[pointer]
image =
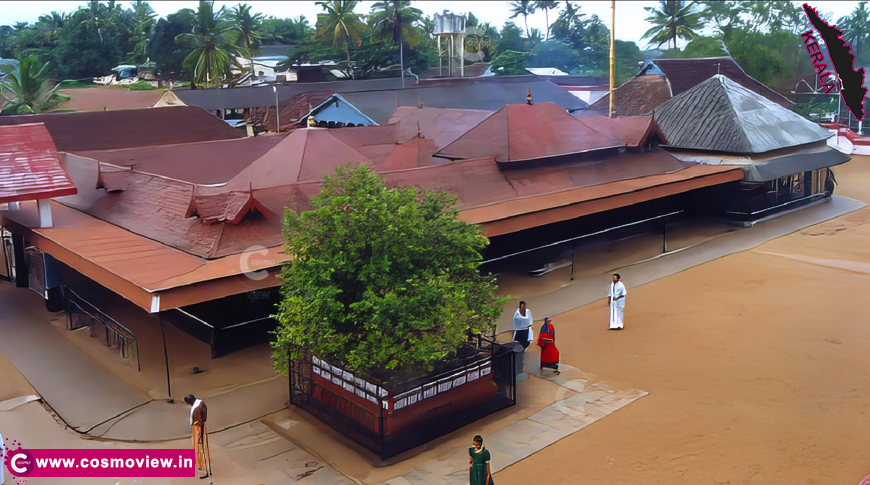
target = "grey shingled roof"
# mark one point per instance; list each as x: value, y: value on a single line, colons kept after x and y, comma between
x: 721, y: 115
x: 259, y: 96
x: 479, y: 93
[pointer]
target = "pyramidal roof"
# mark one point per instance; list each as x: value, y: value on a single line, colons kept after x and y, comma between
x: 303, y: 155
x: 721, y: 115
x: 520, y: 132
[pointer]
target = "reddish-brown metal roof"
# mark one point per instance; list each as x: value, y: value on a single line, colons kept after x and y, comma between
x: 210, y: 162
x: 443, y: 126
x: 109, y: 130
x: 137, y: 267
x: 110, y: 98
x: 229, y: 207
x: 634, y: 130
x: 520, y: 132
x: 29, y: 165
x: 637, y: 97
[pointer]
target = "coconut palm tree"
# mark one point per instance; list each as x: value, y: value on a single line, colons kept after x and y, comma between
x: 524, y: 8
x: 247, y: 27
x: 143, y: 15
x: 397, y: 18
x: 482, y: 38
x: 30, y: 91
x: 340, y: 24
x: 546, y: 7
x: 856, y: 28
x: 673, y: 19
x: 212, y: 54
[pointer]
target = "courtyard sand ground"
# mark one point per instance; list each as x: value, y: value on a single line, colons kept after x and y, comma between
x: 756, y: 367
x: 755, y: 364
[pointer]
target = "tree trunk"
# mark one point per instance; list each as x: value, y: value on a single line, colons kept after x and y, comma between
x: 347, y: 51
x: 526, y: 20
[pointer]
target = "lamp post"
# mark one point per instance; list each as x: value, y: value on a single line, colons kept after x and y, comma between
x: 277, y: 111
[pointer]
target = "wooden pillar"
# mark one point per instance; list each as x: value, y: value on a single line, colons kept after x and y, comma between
x: 21, y: 271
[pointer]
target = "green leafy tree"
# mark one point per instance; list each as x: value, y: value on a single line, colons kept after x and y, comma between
x: 570, y: 26
x: 546, y: 6
x: 91, y: 43
x: 247, y: 27
x: 212, y: 54
x: 144, y: 21
x: 396, y: 20
x: 381, y: 279
x: 629, y: 59
x: 482, y: 39
x: 30, y: 91
x: 555, y: 54
x: 509, y: 63
x: 523, y: 8
x: 511, y: 38
x: 471, y: 20
x: 856, y: 28
x: 162, y: 47
x: 340, y: 25
x: 291, y: 31
x: 702, y: 46
x: 673, y: 19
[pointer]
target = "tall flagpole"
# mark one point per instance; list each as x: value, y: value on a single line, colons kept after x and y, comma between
x: 612, y: 35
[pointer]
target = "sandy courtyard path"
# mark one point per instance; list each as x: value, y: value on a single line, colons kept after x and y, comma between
x: 757, y: 367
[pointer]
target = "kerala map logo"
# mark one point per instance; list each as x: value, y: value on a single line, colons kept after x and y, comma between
x: 850, y: 80
x: 18, y: 461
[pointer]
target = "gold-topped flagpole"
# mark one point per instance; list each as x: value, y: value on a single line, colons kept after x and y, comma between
x: 612, y: 35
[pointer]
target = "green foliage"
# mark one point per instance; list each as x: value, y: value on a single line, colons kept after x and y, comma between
x: 628, y: 60
x: 554, y: 54
x: 381, y: 279
x: 212, y: 55
x: 511, y: 39
x: 292, y: 31
x: 141, y: 86
x: 162, y: 47
x: 856, y: 29
x: 144, y: 20
x: 30, y: 91
x: 673, y: 19
x: 509, y: 63
x: 769, y: 57
x: 702, y: 46
x: 546, y: 6
x: 523, y: 8
x: 340, y: 25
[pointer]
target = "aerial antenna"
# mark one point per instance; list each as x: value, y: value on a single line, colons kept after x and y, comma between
x: 717, y: 69
x: 418, y: 129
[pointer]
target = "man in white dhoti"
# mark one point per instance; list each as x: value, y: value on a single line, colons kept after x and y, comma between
x: 523, y: 332
x: 616, y: 302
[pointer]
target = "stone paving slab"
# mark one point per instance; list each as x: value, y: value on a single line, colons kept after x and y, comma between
x: 586, y: 400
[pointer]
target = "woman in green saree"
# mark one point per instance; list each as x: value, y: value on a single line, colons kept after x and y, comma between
x: 479, y: 462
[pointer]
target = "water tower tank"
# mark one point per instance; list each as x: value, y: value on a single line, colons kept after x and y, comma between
x: 449, y: 23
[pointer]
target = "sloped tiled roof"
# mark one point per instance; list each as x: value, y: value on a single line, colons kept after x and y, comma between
x: 637, y: 97
x: 110, y: 130
x: 684, y: 74
x: 520, y: 132
x: 29, y: 165
x: 721, y: 115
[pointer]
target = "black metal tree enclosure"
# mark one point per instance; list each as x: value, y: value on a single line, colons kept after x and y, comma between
x: 389, y: 419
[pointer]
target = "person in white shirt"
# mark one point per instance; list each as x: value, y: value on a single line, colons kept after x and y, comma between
x: 523, y: 332
x: 616, y: 302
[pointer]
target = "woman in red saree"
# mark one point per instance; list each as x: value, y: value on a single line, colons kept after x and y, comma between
x: 547, y: 343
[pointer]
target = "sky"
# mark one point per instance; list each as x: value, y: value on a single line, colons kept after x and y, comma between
x: 630, y: 15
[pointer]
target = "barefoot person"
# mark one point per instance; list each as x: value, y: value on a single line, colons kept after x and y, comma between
x: 478, y: 461
x: 616, y: 301
x: 523, y: 325
x: 198, y: 417
x: 547, y: 343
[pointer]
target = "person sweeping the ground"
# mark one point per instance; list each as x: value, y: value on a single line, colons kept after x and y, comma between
x: 198, y: 417
x: 616, y: 301
x: 547, y: 343
x: 478, y: 461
